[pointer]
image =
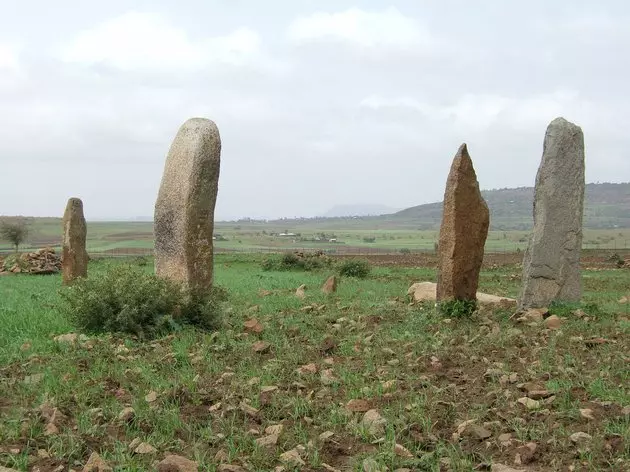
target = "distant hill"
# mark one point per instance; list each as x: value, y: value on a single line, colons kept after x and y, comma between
x: 607, y: 206
x: 358, y: 210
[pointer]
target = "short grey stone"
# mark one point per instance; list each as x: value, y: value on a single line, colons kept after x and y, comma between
x: 551, y: 266
x: 184, y: 210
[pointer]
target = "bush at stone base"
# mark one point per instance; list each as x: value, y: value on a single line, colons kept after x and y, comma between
x: 359, y: 268
x: 126, y: 300
x: 457, y: 308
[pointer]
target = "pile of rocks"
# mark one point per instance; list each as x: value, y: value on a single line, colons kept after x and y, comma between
x: 43, y: 261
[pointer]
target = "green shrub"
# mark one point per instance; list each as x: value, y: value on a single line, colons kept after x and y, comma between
x: 405, y: 250
x: 292, y: 261
x: 126, y: 300
x: 359, y: 268
x: 457, y: 308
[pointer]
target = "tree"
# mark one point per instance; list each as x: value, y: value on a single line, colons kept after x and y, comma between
x: 14, y: 231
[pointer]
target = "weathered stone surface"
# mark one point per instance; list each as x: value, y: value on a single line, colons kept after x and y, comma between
x: 75, y: 257
x: 465, y: 222
x: 184, y: 210
x: 330, y: 286
x: 175, y: 463
x: 551, y: 266
x: 426, y: 292
x: 96, y: 464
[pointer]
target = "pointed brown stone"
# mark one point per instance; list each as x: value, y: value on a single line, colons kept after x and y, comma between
x: 75, y: 257
x: 465, y: 222
x: 184, y: 210
x: 330, y: 286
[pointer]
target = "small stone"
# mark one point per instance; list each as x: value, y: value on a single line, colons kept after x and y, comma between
x: 268, y: 441
x: 329, y: 468
x: 580, y: 437
x: 330, y: 286
x: 587, y: 413
x: 127, y: 414
x: 539, y: 394
x: 358, y: 405
x: 526, y: 453
x: 221, y: 456
x: 307, y: 369
x: 529, y: 403
x: 326, y: 435
x: 69, y: 338
x: 177, y: 464
x: 402, y: 451
x: 253, y: 326
x: 134, y: 443
x: 328, y: 377
x: 151, y: 397
x: 274, y: 429
x: 261, y: 347
x: 231, y: 468
x: 553, y: 322
x: 478, y: 432
x: 505, y: 439
x: 96, y: 464
x: 292, y: 457
x: 370, y: 465
x: 248, y: 410
x: 300, y: 292
x: 145, y: 448
x: 373, y: 422
x: 503, y: 468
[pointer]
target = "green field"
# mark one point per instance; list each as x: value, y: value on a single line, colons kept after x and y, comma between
x: 209, y: 397
x: 126, y: 237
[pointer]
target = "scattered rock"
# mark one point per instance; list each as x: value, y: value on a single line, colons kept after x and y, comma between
x: 268, y: 441
x: 326, y: 435
x: 533, y: 315
x: 402, y: 451
x: 587, y: 413
x: 307, y: 369
x: 477, y: 432
x: 539, y: 394
x: 529, y: 403
x: 580, y: 437
x: 327, y: 377
x: 553, y: 322
x: 370, y: 465
x: 525, y: 454
x: 145, y: 448
x: 231, y: 468
x: 504, y: 468
x: 261, y: 347
x: 359, y: 406
x: 292, y: 457
x: 330, y: 286
x: 127, y: 414
x: 151, y: 397
x: 426, y: 292
x: 253, y: 326
x: 248, y: 410
x: 300, y: 292
x: 373, y: 422
x: 69, y: 338
x: 177, y: 464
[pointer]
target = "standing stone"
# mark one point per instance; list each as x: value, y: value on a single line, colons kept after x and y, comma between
x: 465, y: 222
x: 75, y: 258
x: 330, y: 286
x: 551, y: 266
x: 184, y: 210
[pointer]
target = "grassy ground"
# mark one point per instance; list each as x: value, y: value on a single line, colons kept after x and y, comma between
x: 209, y: 396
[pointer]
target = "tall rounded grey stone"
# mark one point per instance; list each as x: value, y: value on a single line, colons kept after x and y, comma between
x: 184, y: 210
x: 551, y: 266
x: 75, y: 258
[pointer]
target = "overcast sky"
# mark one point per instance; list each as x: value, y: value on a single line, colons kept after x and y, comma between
x: 318, y: 102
